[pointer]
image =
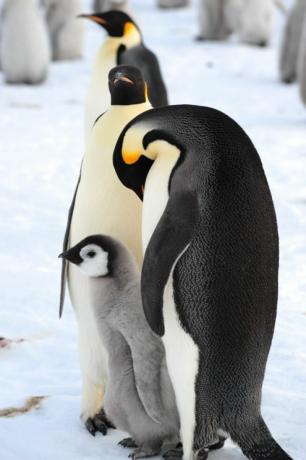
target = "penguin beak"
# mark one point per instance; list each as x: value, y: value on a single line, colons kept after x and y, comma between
x: 123, y: 79
x: 62, y: 255
x: 93, y: 18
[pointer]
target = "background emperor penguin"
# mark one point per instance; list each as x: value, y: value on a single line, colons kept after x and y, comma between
x: 302, y: 63
x: 139, y: 397
x: 210, y: 272
x: 106, y: 5
x: 65, y: 30
x: 102, y: 205
x: 124, y: 45
x: 172, y: 3
x: 23, y: 23
x: 292, y: 41
x: 212, y: 20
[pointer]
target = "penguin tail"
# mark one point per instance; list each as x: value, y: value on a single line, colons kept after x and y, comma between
x: 257, y: 443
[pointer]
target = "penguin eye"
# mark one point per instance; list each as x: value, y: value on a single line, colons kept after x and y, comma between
x: 91, y: 254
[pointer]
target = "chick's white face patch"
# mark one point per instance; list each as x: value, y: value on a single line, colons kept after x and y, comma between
x: 95, y: 261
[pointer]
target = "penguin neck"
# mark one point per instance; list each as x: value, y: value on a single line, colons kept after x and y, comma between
x: 112, y: 44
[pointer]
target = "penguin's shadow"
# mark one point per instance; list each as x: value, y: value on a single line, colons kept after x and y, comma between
x: 230, y: 453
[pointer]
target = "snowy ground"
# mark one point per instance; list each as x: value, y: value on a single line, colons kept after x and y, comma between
x: 41, y: 146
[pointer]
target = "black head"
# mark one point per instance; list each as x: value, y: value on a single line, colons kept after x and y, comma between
x: 126, y: 85
x: 94, y: 255
x: 116, y: 23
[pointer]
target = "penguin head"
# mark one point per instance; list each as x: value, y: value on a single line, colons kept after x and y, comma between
x: 127, y: 86
x: 140, y: 144
x: 94, y: 256
x: 117, y: 24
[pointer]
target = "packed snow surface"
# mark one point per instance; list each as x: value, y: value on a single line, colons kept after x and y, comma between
x: 41, y: 148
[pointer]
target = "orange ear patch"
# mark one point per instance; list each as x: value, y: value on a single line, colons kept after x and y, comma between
x: 129, y: 157
x: 128, y: 28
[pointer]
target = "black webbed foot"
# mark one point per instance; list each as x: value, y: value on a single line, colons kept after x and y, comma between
x: 98, y: 423
x: 128, y: 443
x: 174, y: 453
x: 201, y: 454
x: 219, y: 444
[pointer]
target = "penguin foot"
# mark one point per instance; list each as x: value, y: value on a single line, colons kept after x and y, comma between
x: 219, y: 444
x: 140, y: 452
x: 98, y: 423
x: 201, y: 454
x: 128, y: 443
x: 174, y: 453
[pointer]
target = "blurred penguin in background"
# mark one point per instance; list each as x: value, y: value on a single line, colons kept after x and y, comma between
x: 252, y: 20
x: 172, y: 3
x: 107, y: 5
x: 65, y: 30
x: 292, y: 40
x: 302, y: 65
x: 256, y: 22
x: 25, y: 49
x: 124, y: 45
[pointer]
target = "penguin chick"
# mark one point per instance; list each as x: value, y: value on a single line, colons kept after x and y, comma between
x: 102, y: 205
x: 124, y: 45
x: 256, y: 22
x: 139, y: 397
x: 25, y: 50
x: 106, y: 5
x: 65, y: 30
x: 211, y: 18
x: 291, y: 43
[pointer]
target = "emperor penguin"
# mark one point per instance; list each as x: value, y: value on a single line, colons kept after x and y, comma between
x: 291, y: 43
x: 212, y: 20
x: 25, y: 49
x: 106, y: 5
x: 102, y: 205
x: 210, y: 274
x: 172, y: 3
x: 139, y: 397
x: 124, y: 45
x: 65, y: 30
x: 302, y: 64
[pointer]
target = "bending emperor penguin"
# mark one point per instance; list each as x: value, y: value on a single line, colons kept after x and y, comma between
x: 102, y: 205
x: 139, y: 397
x: 124, y: 45
x: 65, y: 30
x: 25, y: 49
x: 210, y: 272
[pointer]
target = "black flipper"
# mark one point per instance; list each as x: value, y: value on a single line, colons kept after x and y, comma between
x: 65, y: 247
x: 170, y: 238
x: 141, y: 57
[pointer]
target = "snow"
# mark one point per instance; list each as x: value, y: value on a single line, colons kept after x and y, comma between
x: 41, y: 149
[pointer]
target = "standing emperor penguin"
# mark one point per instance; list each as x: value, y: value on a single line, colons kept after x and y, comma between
x: 139, y: 397
x: 102, y: 205
x: 291, y: 43
x: 302, y: 64
x: 210, y: 273
x: 106, y: 5
x: 65, y: 30
x: 172, y: 3
x: 212, y: 21
x: 25, y: 49
x: 124, y: 45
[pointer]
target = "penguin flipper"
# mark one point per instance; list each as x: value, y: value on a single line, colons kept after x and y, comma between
x: 65, y: 247
x: 142, y: 58
x: 169, y: 240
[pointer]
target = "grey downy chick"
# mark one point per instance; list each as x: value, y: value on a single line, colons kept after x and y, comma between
x: 139, y: 397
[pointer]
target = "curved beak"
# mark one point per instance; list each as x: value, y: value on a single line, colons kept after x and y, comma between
x: 120, y: 78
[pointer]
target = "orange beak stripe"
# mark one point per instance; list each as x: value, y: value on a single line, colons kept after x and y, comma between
x: 97, y: 19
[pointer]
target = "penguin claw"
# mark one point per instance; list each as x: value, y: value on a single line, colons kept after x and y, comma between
x: 142, y: 453
x: 128, y: 443
x: 219, y: 444
x: 201, y: 454
x: 174, y: 453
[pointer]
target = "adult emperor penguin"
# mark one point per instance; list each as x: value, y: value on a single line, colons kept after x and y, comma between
x: 302, y: 64
x: 106, y: 5
x: 210, y: 271
x: 139, y: 397
x: 292, y: 40
x: 172, y: 3
x: 65, y: 30
x: 212, y: 20
x: 124, y: 45
x: 102, y: 205
x: 22, y: 23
